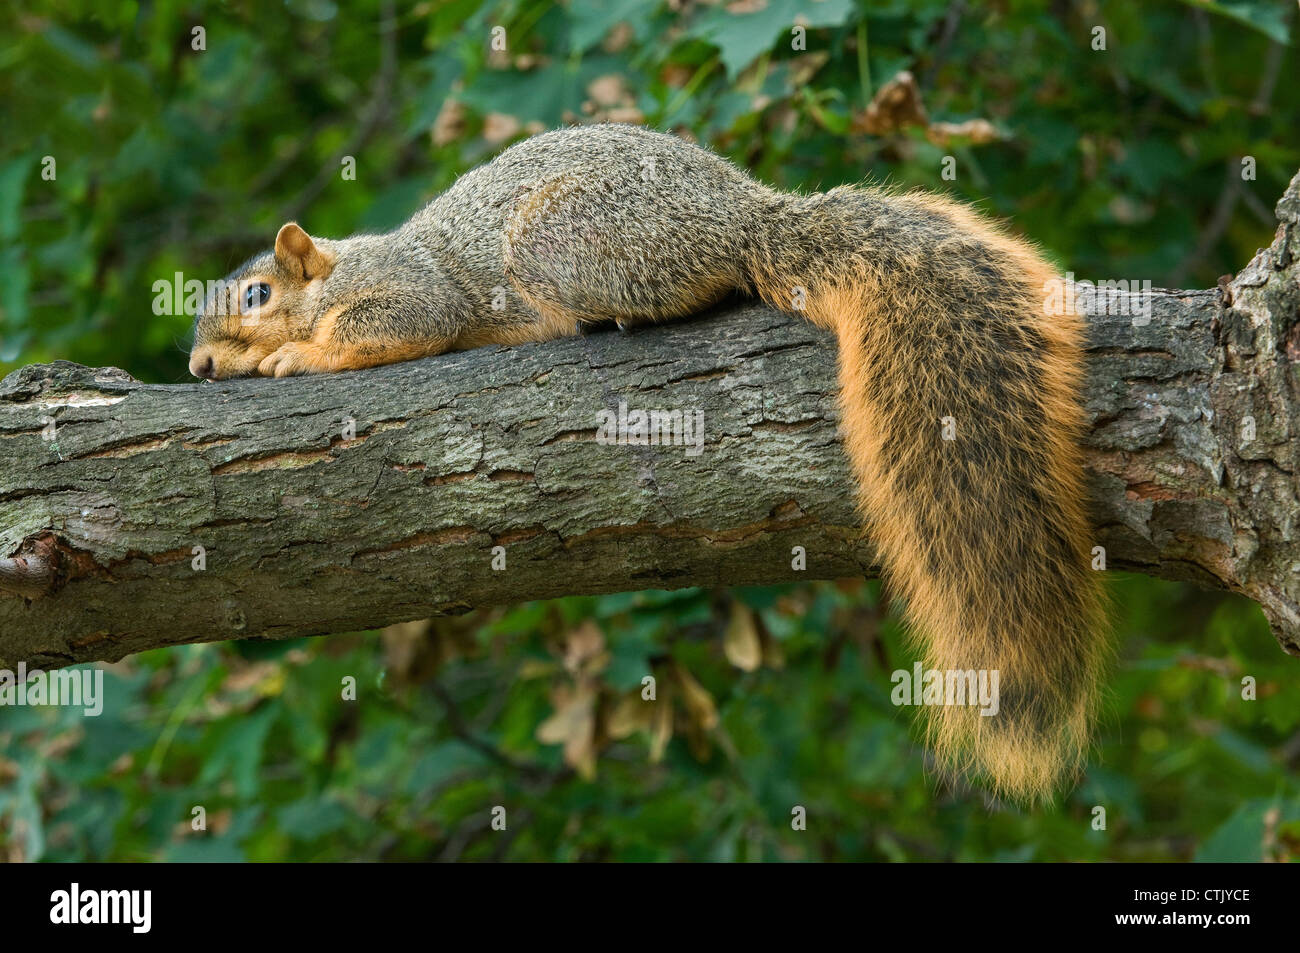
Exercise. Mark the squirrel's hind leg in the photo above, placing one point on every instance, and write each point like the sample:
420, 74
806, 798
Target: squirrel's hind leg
576, 256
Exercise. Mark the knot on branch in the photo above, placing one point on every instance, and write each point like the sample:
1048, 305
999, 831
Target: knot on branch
33, 571
41, 567
34, 380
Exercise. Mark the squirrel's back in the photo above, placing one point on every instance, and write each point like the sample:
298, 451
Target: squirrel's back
700, 190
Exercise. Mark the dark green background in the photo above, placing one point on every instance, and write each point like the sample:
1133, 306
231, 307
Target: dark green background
1123, 163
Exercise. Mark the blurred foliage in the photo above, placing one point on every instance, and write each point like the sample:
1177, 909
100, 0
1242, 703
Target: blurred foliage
535, 709
1122, 163
169, 159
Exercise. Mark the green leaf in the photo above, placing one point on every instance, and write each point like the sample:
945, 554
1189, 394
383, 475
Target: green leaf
205, 850
630, 654
238, 751
590, 20
1266, 16
441, 763
542, 94
741, 37
1239, 839
13, 178
310, 818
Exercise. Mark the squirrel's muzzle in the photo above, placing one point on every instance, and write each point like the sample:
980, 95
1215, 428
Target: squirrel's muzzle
202, 366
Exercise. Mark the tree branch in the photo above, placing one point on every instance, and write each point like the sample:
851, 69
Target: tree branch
306, 528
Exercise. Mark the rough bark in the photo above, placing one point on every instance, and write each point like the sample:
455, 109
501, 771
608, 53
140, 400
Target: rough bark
1193, 455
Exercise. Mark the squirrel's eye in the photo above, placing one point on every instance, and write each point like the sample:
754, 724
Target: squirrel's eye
256, 295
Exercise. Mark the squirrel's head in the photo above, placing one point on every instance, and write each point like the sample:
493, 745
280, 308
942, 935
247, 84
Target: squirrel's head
268, 301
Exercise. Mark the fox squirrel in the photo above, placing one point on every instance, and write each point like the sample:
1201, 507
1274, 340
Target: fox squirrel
938, 314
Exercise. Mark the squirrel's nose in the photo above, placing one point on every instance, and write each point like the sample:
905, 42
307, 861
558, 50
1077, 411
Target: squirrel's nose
201, 366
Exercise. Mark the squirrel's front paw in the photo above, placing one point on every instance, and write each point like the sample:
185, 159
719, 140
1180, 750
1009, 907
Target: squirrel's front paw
287, 359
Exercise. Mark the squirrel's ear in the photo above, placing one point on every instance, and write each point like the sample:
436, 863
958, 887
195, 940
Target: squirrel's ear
297, 253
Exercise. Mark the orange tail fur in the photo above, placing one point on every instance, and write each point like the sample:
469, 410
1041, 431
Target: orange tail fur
961, 415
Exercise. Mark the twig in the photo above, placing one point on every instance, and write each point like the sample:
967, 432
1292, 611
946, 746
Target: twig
372, 118
944, 44
1220, 218
458, 727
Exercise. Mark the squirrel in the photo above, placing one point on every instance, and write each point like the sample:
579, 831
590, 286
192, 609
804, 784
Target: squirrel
940, 320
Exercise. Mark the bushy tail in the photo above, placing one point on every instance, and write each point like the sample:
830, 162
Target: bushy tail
961, 414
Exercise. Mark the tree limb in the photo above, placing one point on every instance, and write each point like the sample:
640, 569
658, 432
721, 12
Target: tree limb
305, 529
